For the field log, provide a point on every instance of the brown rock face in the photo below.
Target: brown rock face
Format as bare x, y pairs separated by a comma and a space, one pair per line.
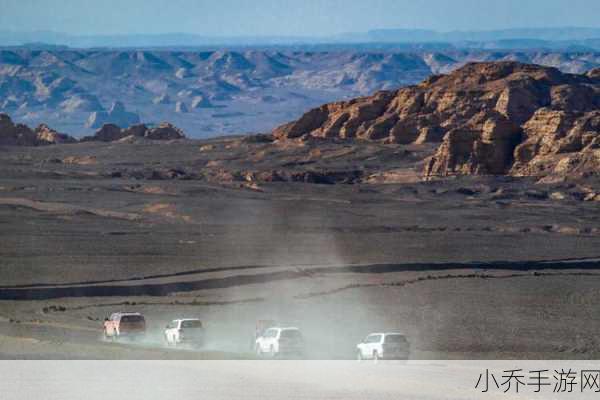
47, 135
594, 74
12, 134
107, 133
15, 134
164, 131
491, 118
111, 132
138, 130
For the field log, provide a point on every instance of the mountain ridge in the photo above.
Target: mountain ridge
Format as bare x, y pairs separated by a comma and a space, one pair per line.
256, 89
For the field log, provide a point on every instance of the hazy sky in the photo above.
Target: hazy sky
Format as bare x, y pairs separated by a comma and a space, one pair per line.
289, 17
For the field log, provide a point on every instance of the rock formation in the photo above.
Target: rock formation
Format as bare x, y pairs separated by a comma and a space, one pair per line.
112, 133
164, 131
12, 134
491, 118
46, 135
15, 134
107, 133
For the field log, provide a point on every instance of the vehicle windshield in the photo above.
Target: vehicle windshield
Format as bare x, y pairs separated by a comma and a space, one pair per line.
191, 324
291, 334
395, 339
132, 318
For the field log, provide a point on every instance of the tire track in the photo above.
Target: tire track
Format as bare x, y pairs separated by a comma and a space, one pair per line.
367, 268
420, 279
158, 289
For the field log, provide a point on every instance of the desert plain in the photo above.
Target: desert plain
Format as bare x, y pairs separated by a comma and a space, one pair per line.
473, 267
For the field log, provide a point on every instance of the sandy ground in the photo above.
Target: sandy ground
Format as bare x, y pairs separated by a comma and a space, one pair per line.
463, 267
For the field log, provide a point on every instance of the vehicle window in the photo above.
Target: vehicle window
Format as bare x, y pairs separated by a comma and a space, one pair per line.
132, 318
191, 324
271, 333
395, 339
373, 339
291, 334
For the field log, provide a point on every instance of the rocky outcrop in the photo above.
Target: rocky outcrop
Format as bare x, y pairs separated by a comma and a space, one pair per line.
164, 131
46, 135
491, 118
594, 74
551, 128
112, 133
107, 133
12, 134
15, 134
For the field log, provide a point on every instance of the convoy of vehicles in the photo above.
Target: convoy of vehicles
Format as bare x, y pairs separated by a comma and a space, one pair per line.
184, 331
124, 325
389, 346
270, 339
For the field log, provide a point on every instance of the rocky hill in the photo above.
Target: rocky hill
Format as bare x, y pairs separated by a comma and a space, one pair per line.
112, 132
21, 135
490, 118
12, 134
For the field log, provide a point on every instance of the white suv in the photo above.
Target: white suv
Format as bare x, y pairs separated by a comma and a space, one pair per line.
276, 342
391, 346
180, 331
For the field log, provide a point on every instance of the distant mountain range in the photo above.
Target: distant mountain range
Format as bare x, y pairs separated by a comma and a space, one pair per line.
508, 38
209, 93
424, 36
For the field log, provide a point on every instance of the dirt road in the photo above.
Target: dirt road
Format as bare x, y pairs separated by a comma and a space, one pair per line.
472, 314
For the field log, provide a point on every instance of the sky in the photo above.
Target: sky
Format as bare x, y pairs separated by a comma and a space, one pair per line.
289, 17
